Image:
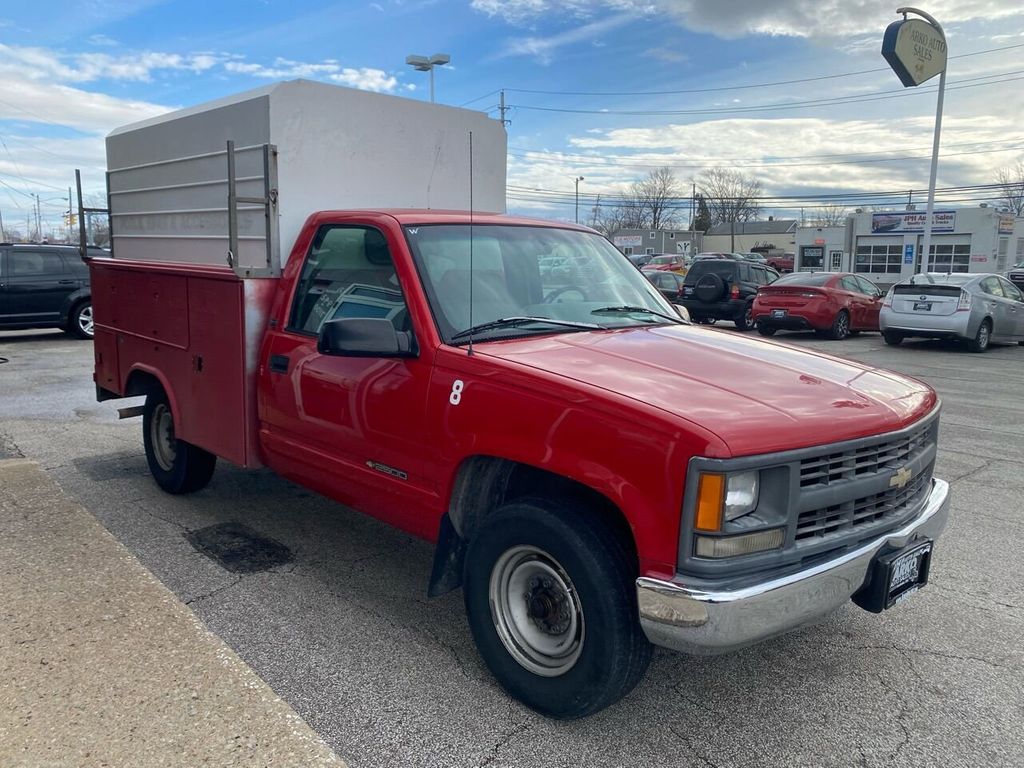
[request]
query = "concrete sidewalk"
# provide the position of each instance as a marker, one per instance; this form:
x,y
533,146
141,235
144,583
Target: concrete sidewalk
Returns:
x,y
100,665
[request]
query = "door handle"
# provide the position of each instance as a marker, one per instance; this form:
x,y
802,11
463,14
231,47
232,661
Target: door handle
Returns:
x,y
65,282
279,364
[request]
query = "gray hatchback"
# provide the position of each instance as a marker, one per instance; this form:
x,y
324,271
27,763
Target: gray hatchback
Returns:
x,y
977,308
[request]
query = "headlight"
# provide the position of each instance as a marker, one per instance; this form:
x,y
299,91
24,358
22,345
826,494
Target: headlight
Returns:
x,y
740,494
721,498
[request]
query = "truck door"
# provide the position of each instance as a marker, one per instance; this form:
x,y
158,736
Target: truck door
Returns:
x,y
359,420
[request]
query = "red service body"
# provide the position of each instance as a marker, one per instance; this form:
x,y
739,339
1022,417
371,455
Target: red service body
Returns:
x,y
597,474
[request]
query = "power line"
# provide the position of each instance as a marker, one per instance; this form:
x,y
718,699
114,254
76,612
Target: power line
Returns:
x,y
735,87
828,102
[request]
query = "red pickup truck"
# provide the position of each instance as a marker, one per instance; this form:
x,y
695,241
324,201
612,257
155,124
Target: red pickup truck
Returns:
x,y
597,474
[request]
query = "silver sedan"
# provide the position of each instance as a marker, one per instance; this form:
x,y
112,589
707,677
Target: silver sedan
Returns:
x,y
977,308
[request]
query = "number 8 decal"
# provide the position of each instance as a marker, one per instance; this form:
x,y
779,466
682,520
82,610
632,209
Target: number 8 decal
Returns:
x,y
456,396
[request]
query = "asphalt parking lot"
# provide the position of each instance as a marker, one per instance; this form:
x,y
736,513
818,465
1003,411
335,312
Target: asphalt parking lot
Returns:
x,y
343,630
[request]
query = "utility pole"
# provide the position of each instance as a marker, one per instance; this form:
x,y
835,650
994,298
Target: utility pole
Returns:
x,y
578,180
502,109
3,238
597,208
39,222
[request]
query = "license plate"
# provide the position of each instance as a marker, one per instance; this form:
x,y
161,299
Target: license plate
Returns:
x,y
908,572
778,313
687,291
895,577
922,306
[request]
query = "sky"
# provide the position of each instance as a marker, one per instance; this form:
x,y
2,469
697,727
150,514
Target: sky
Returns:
x,y
793,93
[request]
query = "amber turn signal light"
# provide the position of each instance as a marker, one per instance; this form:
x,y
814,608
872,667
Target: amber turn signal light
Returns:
x,y
710,501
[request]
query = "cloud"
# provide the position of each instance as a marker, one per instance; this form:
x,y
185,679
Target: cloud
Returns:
x,y
542,48
732,19
57,104
45,64
102,40
366,78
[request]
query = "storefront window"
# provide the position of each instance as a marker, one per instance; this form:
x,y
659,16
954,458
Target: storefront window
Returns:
x,y
949,258
879,259
811,258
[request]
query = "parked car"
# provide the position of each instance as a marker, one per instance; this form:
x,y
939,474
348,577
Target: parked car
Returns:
x,y
835,304
666,262
639,259
783,263
45,286
1015,275
979,309
724,289
669,283
757,258
712,255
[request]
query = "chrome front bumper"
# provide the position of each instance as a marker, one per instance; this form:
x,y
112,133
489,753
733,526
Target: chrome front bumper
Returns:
x,y
704,622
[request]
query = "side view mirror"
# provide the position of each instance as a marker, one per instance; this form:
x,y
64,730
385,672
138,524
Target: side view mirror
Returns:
x,y
364,337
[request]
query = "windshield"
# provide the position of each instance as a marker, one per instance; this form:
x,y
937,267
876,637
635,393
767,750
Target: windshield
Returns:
x,y
523,271
930,278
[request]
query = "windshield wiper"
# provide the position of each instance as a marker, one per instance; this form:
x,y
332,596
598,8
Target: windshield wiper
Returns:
x,y
512,322
626,309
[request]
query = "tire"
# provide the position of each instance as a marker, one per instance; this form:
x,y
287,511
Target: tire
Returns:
x,y
892,338
766,330
80,322
840,326
589,654
709,288
745,321
982,338
177,466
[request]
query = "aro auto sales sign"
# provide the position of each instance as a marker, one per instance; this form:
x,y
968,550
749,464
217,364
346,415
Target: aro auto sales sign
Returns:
x,y
915,49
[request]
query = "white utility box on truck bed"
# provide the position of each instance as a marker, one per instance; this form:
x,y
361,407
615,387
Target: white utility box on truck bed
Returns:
x,y
299,147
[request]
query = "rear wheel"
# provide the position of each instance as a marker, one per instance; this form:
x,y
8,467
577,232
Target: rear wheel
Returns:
x,y
840,326
177,466
981,339
80,323
892,338
765,330
551,602
746,321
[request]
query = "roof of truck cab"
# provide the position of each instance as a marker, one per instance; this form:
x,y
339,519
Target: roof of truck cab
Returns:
x,y
435,216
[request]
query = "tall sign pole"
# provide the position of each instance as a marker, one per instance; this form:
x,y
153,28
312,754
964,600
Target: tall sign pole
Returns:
x,y
916,51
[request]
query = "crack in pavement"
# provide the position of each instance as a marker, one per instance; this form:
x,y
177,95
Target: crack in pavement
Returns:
x,y
517,729
213,592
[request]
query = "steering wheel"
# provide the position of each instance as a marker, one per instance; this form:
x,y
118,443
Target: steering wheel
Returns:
x,y
550,298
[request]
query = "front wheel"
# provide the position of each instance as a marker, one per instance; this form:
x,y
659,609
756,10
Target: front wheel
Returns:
x,y
177,466
551,601
981,339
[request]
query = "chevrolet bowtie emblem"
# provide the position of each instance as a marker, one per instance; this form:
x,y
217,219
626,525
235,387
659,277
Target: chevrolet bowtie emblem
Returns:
x,y
900,479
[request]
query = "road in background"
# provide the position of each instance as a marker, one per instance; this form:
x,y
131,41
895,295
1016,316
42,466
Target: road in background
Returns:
x,y
345,634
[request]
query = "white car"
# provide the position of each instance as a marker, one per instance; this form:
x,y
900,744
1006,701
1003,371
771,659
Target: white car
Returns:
x,y
976,308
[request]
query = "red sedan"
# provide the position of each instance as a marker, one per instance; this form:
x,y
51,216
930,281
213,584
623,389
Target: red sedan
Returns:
x,y
832,303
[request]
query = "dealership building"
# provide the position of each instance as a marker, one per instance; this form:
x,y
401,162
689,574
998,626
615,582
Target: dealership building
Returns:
x,y
886,247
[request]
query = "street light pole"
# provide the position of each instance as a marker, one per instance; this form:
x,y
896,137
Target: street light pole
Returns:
x,y
578,179
427,64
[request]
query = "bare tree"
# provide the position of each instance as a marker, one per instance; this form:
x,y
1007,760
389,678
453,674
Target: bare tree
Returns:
x,y
1011,187
830,215
650,203
658,198
730,195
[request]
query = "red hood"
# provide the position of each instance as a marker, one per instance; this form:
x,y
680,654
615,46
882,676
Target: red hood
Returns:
x,y
757,396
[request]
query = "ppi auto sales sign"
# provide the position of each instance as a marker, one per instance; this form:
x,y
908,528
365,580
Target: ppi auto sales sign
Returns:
x,y
915,50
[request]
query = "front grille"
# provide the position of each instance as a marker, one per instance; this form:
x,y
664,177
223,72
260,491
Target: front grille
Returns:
x,y
867,460
1017,278
890,504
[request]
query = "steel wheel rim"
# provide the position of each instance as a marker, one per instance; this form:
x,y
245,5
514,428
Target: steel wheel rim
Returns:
x,y
536,611
161,437
85,320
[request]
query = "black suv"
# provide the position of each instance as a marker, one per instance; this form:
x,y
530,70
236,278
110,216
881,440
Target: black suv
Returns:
x,y
724,289
45,286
